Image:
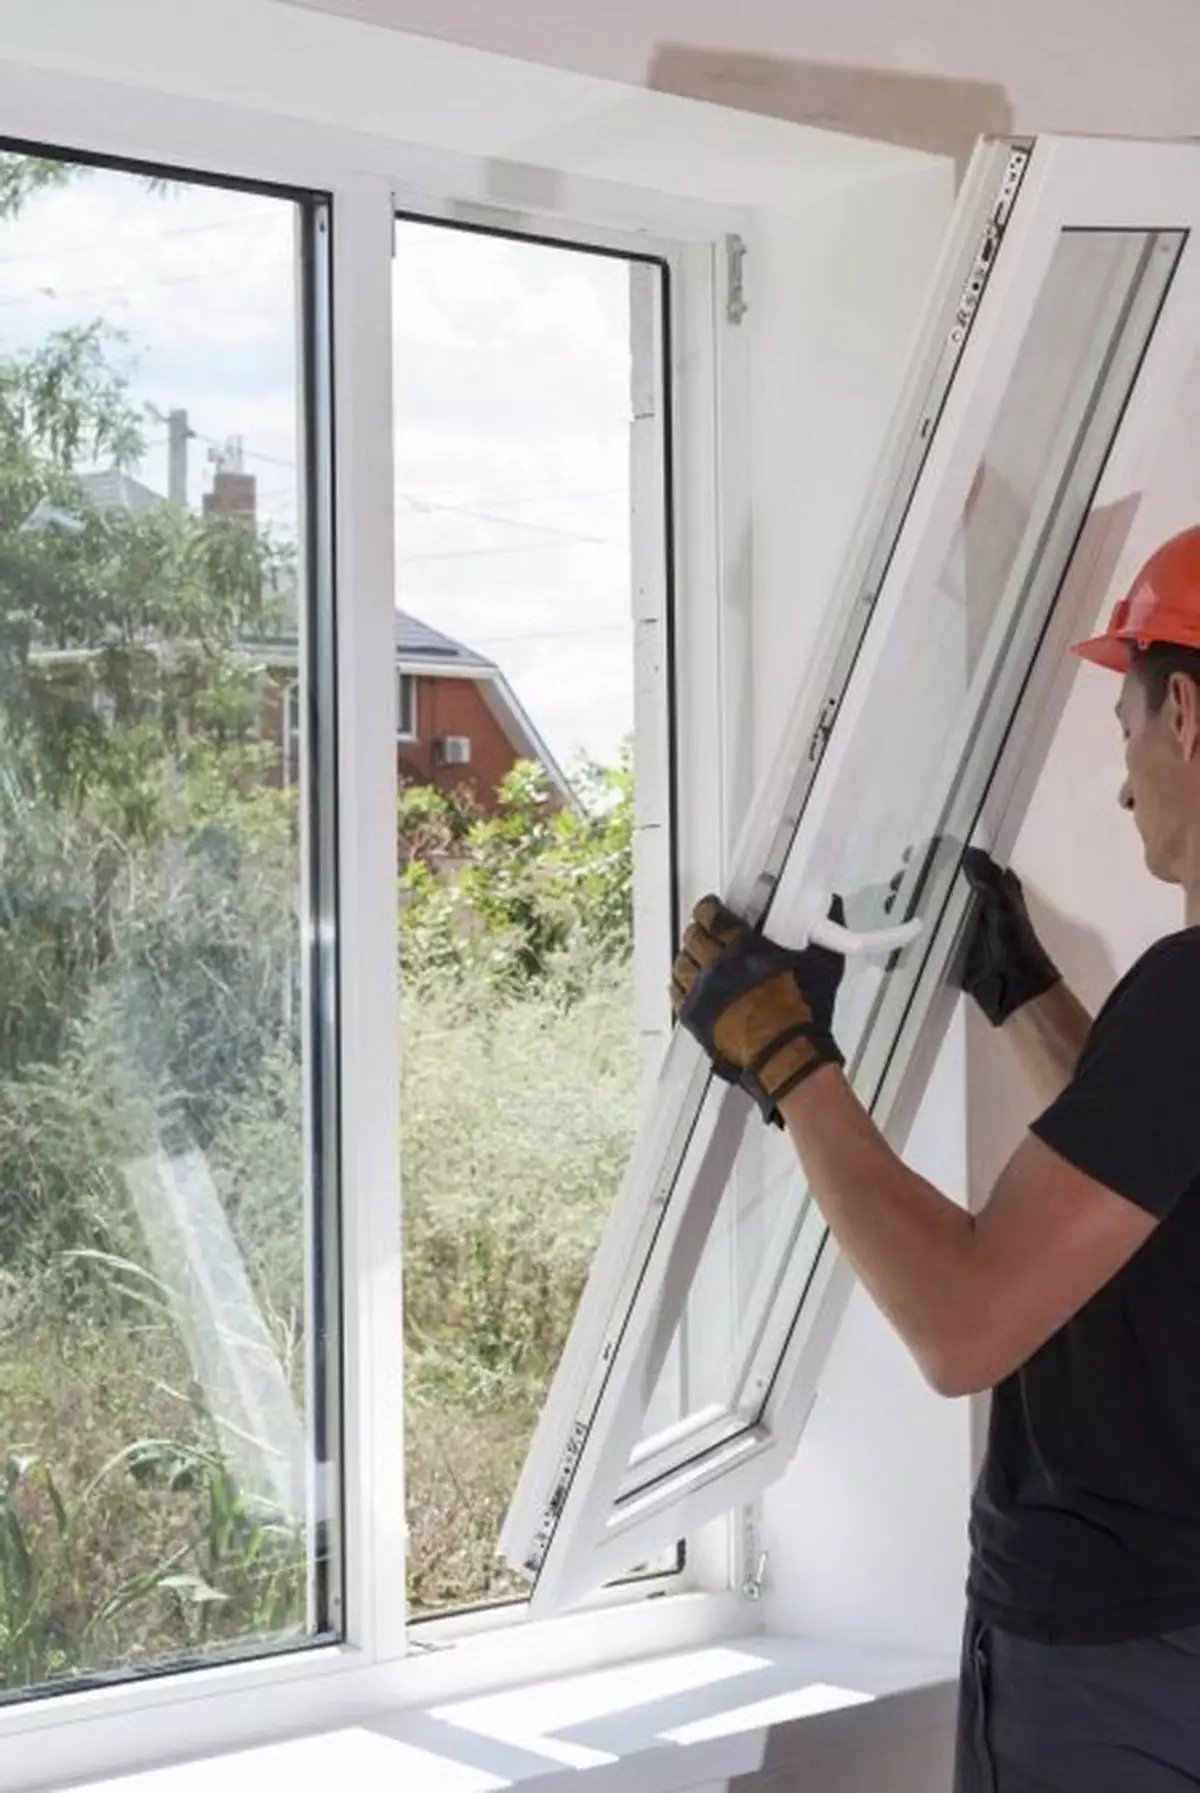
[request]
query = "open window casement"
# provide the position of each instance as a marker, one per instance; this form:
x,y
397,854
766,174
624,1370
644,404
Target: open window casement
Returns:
x,y
1066,307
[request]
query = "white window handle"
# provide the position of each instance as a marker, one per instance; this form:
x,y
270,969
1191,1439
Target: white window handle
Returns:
x,y
816,929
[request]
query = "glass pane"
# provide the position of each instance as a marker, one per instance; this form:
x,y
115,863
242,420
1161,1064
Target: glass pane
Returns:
x,y
521,461
922,758
161,1419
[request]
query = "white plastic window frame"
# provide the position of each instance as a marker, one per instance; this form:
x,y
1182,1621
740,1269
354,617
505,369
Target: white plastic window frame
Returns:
x,y
61,1737
570,1527
658,312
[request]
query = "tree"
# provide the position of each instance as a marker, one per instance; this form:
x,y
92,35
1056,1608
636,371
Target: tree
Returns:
x,y
120,634
529,895
21,177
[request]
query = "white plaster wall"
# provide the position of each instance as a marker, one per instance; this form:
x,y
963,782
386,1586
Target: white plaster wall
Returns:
x,y
930,71
307,65
1080,856
866,1533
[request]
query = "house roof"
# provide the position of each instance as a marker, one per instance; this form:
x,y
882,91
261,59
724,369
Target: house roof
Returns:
x,y
110,489
106,489
417,642
422,649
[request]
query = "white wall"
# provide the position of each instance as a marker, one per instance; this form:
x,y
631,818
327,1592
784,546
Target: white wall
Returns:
x,y
931,72
867,1532
516,116
1092,898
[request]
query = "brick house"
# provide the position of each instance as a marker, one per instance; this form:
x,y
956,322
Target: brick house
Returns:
x,y
459,723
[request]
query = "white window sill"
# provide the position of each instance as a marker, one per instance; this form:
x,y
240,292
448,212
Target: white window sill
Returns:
x,y
669,1721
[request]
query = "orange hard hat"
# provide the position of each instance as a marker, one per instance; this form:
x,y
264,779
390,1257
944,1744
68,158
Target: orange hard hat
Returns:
x,y
1162,605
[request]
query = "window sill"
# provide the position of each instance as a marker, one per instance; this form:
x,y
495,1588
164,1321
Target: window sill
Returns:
x,y
667,1721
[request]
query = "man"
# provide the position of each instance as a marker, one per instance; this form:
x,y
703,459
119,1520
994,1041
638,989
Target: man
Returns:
x,y
1074,1293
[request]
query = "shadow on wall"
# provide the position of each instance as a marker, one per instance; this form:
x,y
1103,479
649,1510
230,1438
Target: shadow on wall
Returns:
x,y
932,113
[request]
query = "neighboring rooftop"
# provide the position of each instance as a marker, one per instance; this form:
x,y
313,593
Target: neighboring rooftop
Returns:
x,y
110,489
416,641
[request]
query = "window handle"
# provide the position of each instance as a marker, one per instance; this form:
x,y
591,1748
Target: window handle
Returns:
x,y
817,929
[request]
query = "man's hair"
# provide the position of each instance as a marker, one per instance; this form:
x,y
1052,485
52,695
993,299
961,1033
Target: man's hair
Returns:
x,y
1156,665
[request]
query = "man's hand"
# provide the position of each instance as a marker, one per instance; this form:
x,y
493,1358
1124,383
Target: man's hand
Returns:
x,y
763,1013
1006,965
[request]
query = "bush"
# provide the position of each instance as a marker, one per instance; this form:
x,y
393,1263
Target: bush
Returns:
x,y
518,1114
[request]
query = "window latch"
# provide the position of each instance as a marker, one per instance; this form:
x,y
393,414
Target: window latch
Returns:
x,y
752,1587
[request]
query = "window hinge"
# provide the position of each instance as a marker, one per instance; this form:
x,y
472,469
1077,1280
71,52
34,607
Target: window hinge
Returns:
x,y
754,1557
735,278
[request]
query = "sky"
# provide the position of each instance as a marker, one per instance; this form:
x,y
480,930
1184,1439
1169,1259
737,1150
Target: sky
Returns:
x,y
512,408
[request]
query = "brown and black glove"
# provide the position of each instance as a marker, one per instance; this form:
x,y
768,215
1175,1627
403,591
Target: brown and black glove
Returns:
x,y
1005,965
763,1013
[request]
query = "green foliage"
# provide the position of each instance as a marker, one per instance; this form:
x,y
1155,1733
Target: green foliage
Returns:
x,y
239,1567
535,894
22,177
121,634
518,1114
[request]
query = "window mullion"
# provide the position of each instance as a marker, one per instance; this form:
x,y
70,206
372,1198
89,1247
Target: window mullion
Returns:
x,y
372,1286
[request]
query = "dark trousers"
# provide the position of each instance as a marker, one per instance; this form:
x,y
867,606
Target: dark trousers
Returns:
x,y
1078,1718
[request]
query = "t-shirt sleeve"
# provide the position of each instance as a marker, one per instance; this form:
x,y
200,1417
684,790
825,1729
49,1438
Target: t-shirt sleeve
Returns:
x,y
1131,1116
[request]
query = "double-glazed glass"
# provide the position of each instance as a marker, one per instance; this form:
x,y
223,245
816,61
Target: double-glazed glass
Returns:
x,y
168,1124
921,761
533,838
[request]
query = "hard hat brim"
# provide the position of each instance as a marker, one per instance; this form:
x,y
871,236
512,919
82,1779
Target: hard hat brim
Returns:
x,y
1114,652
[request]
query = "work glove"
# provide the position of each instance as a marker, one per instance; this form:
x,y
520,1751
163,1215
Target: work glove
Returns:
x,y
763,1013
1005,965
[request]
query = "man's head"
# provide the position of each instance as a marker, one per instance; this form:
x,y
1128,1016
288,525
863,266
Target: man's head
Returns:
x,y
1153,639
1159,713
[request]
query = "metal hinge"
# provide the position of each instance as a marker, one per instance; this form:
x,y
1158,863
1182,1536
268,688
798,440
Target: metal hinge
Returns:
x,y
985,255
564,1476
735,279
823,730
754,1557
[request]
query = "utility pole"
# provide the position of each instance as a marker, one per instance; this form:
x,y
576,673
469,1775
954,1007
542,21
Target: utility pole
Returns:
x,y
178,436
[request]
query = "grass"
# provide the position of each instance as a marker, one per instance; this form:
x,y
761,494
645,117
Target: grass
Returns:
x,y
123,1539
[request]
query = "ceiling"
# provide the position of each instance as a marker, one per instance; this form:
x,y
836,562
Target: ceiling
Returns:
x,y
931,74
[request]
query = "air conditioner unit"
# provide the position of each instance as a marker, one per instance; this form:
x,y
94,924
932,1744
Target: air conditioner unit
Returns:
x,y
455,750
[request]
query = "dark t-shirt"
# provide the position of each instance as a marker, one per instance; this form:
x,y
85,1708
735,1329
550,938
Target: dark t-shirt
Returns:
x,y
1086,1521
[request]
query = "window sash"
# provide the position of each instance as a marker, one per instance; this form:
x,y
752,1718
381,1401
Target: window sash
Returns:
x,y
570,1526
214,1309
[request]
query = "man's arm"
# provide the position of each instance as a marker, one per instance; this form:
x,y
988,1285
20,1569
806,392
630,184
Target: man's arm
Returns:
x,y
972,1296
1048,1036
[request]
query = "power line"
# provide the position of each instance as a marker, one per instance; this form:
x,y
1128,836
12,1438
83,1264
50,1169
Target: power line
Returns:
x,y
553,634
545,496
40,294
422,505
70,252
122,286
601,541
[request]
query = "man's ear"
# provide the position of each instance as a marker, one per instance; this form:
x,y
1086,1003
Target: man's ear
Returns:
x,y
1183,696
